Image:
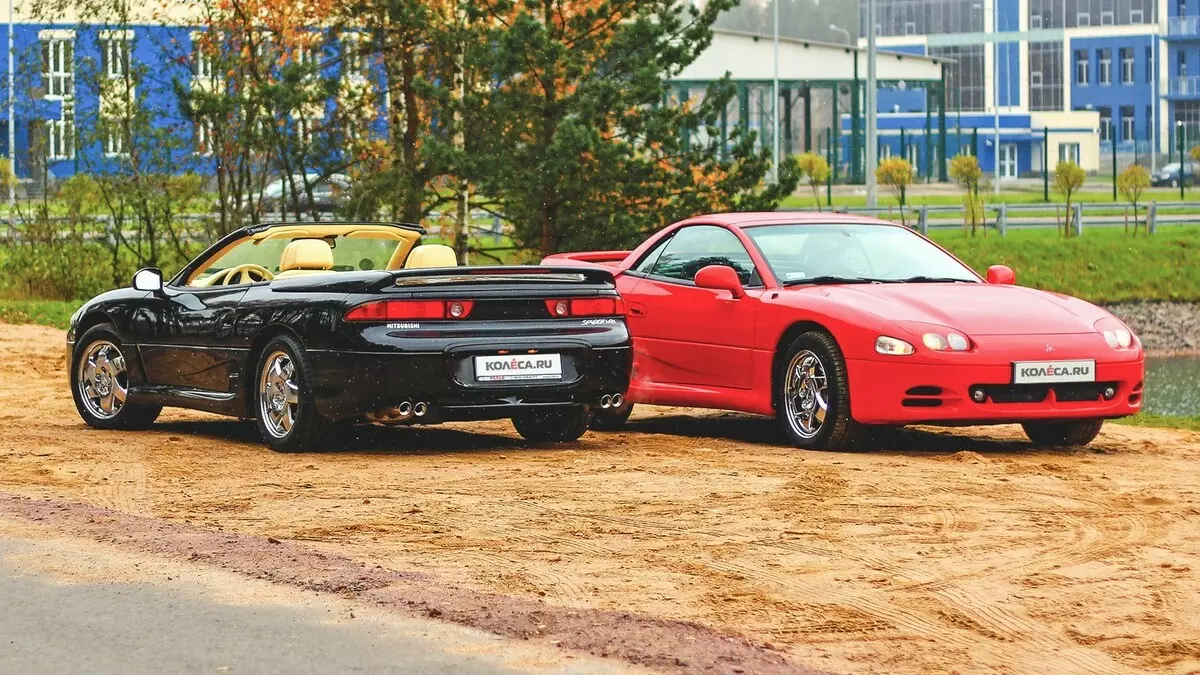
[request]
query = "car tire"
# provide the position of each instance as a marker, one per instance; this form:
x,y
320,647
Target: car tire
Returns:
x,y
611,419
812,395
1074,432
555,425
284,407
100,383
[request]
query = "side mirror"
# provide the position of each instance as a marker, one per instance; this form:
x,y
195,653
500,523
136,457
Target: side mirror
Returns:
x,y
1001,274
720,278
148,279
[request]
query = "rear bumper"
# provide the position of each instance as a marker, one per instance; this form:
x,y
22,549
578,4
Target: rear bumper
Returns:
x,y
351,383
897,392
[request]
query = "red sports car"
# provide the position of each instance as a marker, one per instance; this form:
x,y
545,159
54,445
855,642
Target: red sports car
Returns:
x,y
835,323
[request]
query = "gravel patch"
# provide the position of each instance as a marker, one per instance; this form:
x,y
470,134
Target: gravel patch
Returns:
x,y
1162,326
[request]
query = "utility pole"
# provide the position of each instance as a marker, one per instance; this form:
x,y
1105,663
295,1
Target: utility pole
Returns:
x,y
12,133
996,92
775,101
872,141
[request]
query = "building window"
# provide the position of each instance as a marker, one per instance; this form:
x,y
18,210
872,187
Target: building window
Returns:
x,y
1149,64
1083,13
1035,21
1068,152
1104,67
58,66
1135,15
114,55
1182,61
1126,66
1081,67
60,134
114,139
1046,75
965,76
1106,124
1128,124
203,63
1107,13
202,138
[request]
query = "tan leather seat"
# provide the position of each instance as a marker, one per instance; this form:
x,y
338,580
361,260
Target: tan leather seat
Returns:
x,y
431,255
305,256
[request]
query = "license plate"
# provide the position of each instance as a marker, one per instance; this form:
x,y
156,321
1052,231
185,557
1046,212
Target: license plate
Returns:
x,y
1046,372
518,368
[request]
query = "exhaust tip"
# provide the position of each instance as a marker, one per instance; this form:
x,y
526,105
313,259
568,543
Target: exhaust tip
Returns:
x,y
420,408
606,401
405,409
617,400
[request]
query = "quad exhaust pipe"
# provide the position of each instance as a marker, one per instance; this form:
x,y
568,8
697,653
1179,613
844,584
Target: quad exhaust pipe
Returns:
x,y
611,401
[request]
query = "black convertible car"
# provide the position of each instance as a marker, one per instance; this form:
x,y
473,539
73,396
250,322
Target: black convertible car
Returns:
x,y
303,325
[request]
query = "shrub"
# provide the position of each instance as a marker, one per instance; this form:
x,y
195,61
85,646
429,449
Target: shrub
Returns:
x,y
897,174
1068,179
1132,182
815,171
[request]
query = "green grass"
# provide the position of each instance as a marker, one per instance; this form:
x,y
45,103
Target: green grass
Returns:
x,y
55,313
1190,423
1104,265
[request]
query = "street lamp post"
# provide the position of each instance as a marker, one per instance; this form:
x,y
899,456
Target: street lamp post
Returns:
x,y
12,134
775,105
872,147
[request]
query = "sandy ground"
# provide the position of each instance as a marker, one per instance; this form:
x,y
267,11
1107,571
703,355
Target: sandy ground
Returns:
x,y
939,552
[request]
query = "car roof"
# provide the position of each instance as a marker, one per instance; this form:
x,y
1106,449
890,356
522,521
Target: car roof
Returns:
x,y
752,218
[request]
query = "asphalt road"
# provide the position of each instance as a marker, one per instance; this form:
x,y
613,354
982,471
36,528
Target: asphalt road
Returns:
x,y
48,627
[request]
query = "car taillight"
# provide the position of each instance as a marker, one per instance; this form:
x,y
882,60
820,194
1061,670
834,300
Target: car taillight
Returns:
x,y
573,307
388,310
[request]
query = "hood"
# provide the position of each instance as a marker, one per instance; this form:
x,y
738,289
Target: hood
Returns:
x,y
976,309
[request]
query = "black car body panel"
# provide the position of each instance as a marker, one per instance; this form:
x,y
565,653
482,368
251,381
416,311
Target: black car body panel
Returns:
x,y
199,347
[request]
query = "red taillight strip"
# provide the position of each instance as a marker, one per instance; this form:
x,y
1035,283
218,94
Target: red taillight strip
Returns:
x,y
577,307
389,310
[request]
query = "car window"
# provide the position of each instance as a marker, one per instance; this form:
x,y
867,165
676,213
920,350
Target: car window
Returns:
x,y
796,252
363,250
648,260
698,246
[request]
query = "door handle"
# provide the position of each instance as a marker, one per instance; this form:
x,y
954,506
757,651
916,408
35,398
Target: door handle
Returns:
x,y
636,311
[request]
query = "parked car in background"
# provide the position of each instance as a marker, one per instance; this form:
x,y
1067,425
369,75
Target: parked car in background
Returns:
x,y
837,323
1169,175
300,326
328,193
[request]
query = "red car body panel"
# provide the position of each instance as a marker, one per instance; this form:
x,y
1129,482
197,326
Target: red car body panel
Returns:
x,y
701,347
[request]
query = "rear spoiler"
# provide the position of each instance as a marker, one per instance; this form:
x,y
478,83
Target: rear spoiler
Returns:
x,y
503,274
596,257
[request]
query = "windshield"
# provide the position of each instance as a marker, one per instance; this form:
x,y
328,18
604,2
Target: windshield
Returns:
x,y
831,253
306,249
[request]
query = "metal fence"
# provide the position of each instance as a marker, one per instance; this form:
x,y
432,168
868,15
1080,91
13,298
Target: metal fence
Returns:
x,y
1003,217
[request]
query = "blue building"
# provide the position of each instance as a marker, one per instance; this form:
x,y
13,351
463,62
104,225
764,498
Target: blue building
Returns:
x,y
1091,71
72,91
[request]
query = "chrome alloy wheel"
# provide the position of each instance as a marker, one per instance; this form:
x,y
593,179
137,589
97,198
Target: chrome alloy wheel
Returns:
x,y
102,380
278,394
806,394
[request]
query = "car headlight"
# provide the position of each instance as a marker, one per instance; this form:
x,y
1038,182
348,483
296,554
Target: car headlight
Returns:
x,y
892,346
1116,334
953,342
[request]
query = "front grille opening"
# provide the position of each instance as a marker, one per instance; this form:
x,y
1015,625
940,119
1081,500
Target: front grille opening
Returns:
x,y
1134,398
1066,392
921,402
924,390
1014,393
1137,388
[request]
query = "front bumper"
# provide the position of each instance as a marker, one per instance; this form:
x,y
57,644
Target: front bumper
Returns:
x,y
897,391
351,383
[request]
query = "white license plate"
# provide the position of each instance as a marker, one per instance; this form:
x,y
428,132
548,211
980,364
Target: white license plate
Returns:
x,y
1047,372
518,368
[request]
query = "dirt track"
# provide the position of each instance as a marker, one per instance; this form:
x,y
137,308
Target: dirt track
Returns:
x,y
941,552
